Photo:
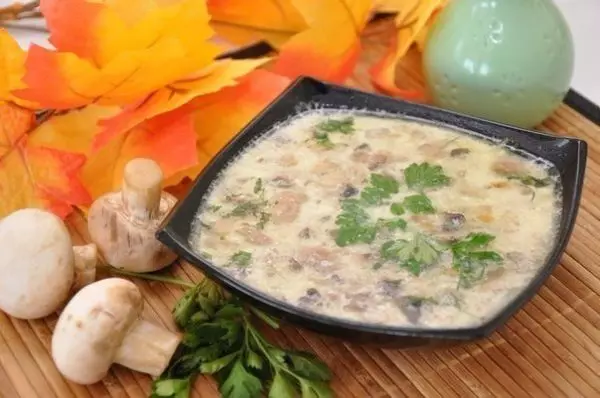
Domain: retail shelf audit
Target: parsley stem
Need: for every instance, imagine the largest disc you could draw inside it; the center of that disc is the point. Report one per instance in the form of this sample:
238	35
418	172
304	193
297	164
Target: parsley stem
151	277
264	317
262	344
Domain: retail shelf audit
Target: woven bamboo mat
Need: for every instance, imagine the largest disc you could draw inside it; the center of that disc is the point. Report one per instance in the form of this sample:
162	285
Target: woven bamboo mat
549	349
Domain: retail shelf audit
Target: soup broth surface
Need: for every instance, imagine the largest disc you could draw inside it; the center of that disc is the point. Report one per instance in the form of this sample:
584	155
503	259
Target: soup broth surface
381	220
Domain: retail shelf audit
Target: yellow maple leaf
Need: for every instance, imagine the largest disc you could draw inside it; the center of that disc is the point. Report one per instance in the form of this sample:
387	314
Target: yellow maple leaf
330	48
116	52
244	22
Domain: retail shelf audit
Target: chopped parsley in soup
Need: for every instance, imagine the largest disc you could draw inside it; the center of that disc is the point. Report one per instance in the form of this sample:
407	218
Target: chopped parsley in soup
381	220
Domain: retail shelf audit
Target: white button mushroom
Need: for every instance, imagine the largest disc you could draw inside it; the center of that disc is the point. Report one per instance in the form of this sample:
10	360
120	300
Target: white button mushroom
100	326
38	264
123	224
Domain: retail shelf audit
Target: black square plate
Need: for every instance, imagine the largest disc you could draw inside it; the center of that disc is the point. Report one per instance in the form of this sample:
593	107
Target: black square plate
567	154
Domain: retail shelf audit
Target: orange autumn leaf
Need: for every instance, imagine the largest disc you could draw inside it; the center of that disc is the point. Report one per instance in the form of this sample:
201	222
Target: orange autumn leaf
32	175
330	48
412	17
215	122
218	75
12	68
113	53
244	22
168	138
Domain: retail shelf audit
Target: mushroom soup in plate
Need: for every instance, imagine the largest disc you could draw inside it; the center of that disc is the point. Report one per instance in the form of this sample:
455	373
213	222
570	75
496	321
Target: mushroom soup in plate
381	220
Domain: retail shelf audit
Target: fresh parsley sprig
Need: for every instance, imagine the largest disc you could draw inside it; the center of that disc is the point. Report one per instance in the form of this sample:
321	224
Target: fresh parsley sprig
220	339
413	255
422	176
355	224
323	129
380	187
470	261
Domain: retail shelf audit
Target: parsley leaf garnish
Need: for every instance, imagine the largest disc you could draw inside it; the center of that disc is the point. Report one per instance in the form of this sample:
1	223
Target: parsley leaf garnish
531	181
253	207
469	261
418	204
414	255
241	258
422	176
395	224
397	209
322	138
354	224
221	339
380	187
344	126
258	186
323	129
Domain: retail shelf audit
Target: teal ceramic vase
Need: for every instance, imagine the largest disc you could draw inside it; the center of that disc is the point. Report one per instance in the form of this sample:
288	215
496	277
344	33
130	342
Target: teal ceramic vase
510	61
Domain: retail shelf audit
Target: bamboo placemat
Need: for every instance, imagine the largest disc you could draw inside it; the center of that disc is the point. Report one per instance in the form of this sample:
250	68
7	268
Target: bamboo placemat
551	348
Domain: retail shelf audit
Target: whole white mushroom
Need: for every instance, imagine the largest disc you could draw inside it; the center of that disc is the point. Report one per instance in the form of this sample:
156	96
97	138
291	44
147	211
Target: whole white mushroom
39	267
123	224
101	325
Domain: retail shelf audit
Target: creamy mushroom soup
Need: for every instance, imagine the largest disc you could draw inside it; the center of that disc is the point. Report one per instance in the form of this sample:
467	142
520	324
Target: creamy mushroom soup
381	220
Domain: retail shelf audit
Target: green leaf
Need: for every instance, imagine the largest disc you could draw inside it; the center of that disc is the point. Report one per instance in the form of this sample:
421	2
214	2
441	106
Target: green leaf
206	304
324	128
398	250
240	383
230	311
424	175
412	265
344	126
354	224
381	187
531	181
355	234
218	364
241	258
279	355
315	389
396	224
425	252
322	138
246	208
473	241
309	366
203	334
419	204
470	263
258	186
412	255
397	209
263	219
253	360
176	388
185	307
282	387
268	319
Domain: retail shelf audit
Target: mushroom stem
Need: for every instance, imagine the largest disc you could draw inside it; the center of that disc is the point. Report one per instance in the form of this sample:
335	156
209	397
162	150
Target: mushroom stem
141	189
85	261
147	348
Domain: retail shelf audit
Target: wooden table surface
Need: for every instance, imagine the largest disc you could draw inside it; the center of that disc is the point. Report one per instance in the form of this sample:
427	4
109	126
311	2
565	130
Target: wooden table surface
551	348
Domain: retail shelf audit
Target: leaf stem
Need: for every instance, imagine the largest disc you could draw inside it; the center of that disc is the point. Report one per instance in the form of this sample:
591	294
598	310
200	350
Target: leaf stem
151	277
269	320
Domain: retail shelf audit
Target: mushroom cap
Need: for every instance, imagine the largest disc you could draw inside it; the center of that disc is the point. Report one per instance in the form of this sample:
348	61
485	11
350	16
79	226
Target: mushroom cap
92	327
36	263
